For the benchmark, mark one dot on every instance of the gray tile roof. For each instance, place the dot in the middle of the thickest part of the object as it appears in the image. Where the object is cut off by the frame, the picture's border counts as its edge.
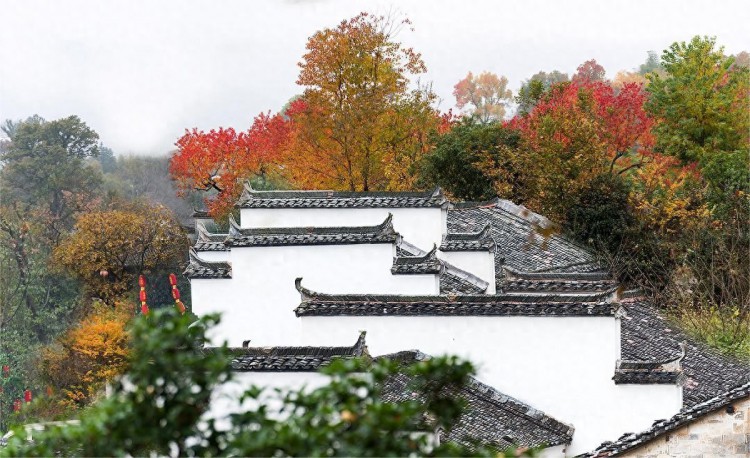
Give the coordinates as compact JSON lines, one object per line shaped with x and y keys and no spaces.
{"x":317,"y":304}
{"x":456,"y":281}
{"x":525,"y":242}
{"x":647,"y":335}
{"x":272,"y":236}
{"x":207,"y":241}
{"x":469,"y":241}
{"x":556,"y":282}
{"x":336,"y":199}
{"x":668,"y":371}
{"x":199,"y":268}
{"x":290,"y":359}
{"x":631,"y":441}
{"x":427,"y":263}
{"x":490,"y":418}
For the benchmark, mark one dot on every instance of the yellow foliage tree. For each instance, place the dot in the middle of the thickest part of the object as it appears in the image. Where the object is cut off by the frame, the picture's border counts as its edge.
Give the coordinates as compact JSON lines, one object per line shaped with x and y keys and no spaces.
{"x":110,"y":248}
{"x":358,"y":116}
{"x":91,"y":353}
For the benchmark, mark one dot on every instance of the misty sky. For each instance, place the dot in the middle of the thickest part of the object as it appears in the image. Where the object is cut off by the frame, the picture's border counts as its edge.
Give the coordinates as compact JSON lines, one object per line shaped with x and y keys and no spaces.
{"x":140,"y":72}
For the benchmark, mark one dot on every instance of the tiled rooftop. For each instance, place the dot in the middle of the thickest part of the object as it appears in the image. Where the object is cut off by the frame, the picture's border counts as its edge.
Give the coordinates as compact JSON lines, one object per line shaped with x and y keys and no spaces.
{"x":337,"y":199}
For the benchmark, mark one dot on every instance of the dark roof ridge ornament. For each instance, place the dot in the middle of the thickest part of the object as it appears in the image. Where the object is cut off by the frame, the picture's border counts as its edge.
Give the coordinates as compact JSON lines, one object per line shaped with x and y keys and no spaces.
{"x":427,"y":263}
{"x":200,"y":268}
{"x":305,"y":294}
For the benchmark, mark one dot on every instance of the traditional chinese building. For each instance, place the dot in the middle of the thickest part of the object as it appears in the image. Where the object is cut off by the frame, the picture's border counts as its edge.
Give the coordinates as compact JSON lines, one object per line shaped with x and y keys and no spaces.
{"x":565,"y":358}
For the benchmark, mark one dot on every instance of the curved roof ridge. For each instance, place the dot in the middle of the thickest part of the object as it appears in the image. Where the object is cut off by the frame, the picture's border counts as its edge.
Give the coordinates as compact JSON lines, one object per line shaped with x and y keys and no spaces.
{"x":200,"y":268}
{"x":333,"y":235}
{"x":318,"y":304}
{"x":251,"y":198}
{"x":513,"y":274}
{"x":291,"y":359}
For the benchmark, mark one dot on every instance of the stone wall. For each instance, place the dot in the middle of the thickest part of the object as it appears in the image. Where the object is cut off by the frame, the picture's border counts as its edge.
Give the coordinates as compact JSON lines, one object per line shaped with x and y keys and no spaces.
{"x":719,"y":434}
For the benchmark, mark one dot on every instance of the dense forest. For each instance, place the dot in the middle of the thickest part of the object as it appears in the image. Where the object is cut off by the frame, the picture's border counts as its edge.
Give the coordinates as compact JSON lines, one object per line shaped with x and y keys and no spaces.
{"x":650,"y":168}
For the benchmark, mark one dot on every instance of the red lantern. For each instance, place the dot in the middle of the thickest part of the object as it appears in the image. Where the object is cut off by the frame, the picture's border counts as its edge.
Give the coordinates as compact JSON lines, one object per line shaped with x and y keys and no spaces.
{"x":17,"y":405}
{"x":176,"y":294}
{"x":141,"y":281}
{"x":6,"y":371}
{"x":27,"y":396}
{"x":144,"y":308}
{"x":172,"y":279}
{"x":180,"y":306}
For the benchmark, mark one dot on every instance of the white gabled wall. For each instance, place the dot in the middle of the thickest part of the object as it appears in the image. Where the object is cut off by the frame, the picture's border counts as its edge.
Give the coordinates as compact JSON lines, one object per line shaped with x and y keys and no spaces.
{"x":214,"y":256}
{"x":479,"y":263}
{"x":560,"y":365}
{"x":422,"y":227}
{"x":258,"y":302}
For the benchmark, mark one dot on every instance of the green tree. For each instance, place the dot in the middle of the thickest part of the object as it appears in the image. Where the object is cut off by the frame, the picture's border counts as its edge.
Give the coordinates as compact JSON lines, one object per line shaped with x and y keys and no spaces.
{"x":701,"y":102}
{"x":159,"y":407}
{"x":453,"y":163}
{"x":533,"y":89}
{"x":44,"y":168}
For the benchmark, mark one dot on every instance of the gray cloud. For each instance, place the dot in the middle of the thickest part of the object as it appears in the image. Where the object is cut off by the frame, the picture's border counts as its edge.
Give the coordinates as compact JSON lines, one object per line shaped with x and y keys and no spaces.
{"x":141,"y":72}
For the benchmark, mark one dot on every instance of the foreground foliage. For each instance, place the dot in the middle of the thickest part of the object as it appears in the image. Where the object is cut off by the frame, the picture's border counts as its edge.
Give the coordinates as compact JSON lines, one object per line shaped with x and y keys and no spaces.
{"x":160,"y":407}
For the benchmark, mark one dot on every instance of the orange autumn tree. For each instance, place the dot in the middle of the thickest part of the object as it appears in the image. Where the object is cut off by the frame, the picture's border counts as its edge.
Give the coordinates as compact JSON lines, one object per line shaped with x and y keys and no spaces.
{"x":79,"y":363}
{"x":359,"y":126}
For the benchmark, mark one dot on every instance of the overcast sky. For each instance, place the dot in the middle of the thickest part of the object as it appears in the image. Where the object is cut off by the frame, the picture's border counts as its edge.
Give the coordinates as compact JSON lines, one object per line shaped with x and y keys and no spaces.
{"x":140,"y":72}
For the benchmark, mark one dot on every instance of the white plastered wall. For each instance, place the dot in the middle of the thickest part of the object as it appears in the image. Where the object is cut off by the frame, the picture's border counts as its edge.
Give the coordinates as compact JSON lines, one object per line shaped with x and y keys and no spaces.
{"x":479,"y":263}
{"x":213,"y":256}
{"x":258,"y":302}
{"x":226,"y":396}
{"x":561,"y":365}
{"x":422,"y":227}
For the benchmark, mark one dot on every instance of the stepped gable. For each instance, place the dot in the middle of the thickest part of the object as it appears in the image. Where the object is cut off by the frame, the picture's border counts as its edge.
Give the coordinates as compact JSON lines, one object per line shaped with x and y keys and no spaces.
{"x":427,"y":263}
{"x":630,"y":441}
{"x":556,"y":282}
{"x":318,"y":304}
{"x":291,"y":359}
{"x":288,"y":236}
{"x":646,"y":335}
{"x":490,"y":418}
{"x":337,"y":199}
{"x":452,"y":279}
{"x":525,"y":241}
{"x":199,"y":268}
{"x":207,"y":241}
{"x":469,"y":241}
{"x":668,"y":371}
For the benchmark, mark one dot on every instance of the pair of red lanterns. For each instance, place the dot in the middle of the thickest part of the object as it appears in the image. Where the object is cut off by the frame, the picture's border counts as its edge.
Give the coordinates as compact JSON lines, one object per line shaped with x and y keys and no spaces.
{"x":17,"y":402}
{"x":175,"y":294}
